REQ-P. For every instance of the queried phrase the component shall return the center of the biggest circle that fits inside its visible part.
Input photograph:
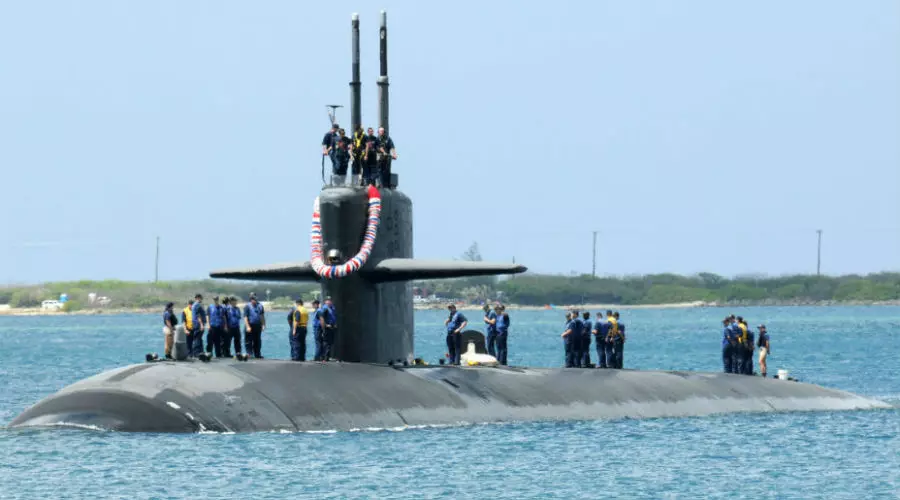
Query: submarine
(361, 253)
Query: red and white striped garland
(358, 260)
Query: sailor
(216, 317)
(568, 337)
(357, 149)
(187, 316)
(618, 342)
(764, 348)
(455, 325)
(328, 325)
(490, 329)
(370, 158)
(586, 340)
(200, 324)
(169, 323)
(317, 330)
(728, 345)
(749, 346)
(578, 329)
(386, 153)
(328, 143)
(228, 327)
(255, 323)
(298, 332)
(743, 352)
(341, 155)
(502, 333)
(735, 347)
(601, 330)
(612, 332)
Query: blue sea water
(789, 455)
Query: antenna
(333, 113)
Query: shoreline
(36, 311)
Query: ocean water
(789, 455)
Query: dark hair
(198, 296)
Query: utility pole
(594, 260)
(819, 254)
(156, 273)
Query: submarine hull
(272, 395)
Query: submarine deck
(274, 395)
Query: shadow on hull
(270, 395)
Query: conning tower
(374, 304)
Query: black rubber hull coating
(271, 395)
(375, 320)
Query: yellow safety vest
(358, 144)
(613, 327)
(301, 316)
(188, 318)
(743, 338)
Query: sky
(693, 136)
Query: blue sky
(695, 136)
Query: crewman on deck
(611, 334)
(586, 333)
(200, 324)
(386, 153)
(764, 348)
(578, 329)
(456, 323)
(743, 352)
(254, 323)
(317, 330)
(502, 333)
(601, 331)
(490, 329)
(216, 336)
(169, 323)
(328, 143)
(749, 347)
(618, 342)
(327, 325)
(728, 342)
(298, 332)
(735, 348)
(568, 337)
(232, 327)
(187, 320)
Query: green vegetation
(527, 289)
(142, 295)
(533, 289)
